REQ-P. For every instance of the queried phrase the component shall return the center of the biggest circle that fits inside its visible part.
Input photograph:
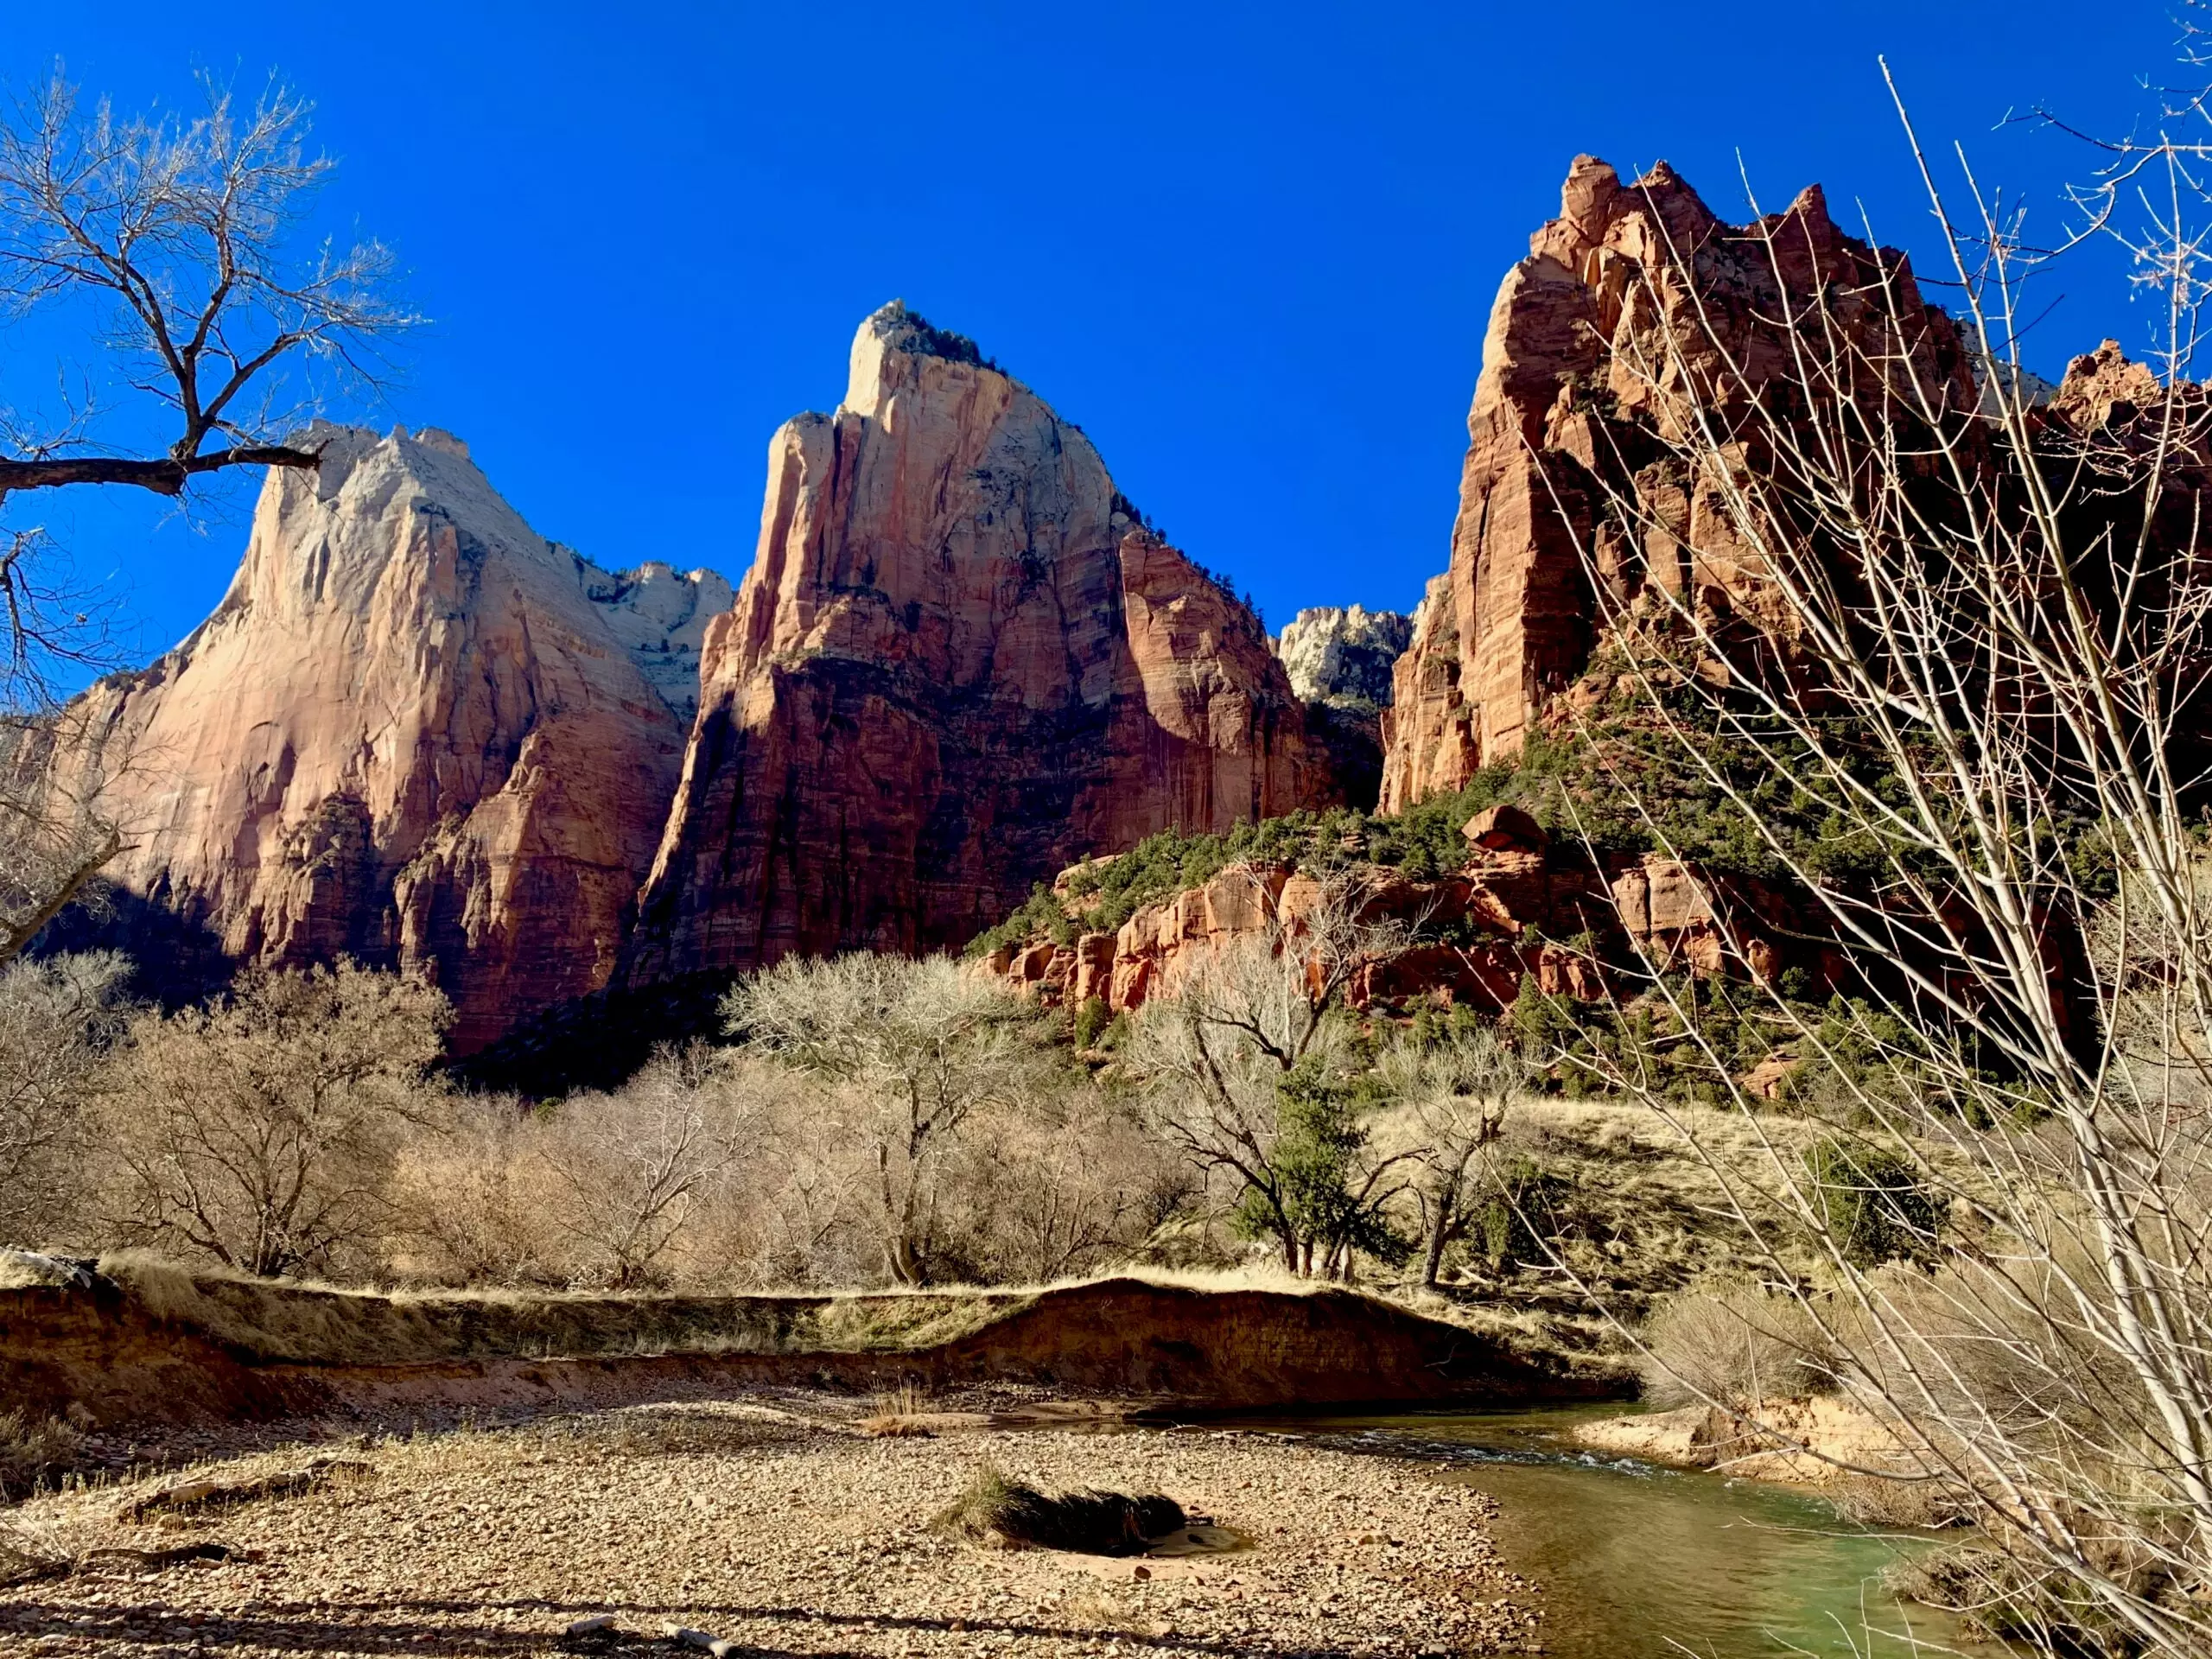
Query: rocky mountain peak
(1572, 408)
(1344, 654)
(959, 663)
(412, 733)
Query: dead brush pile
(995, 1510)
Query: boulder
(1497, 828)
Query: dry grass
(900, 1413)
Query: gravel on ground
(768, 1529)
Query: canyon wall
(418, 734)
(960, 660)
(1597, 343)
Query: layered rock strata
(415, 732)
(1499, 919)
(959, 661)
(1597, 347)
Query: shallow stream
(1636, 1559)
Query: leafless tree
(180, 230)
(56, 1017)
(635, 1166)
(1215, 1053)
(260, 1131)
(1985, 661)
(1063, 1179)
(923, 1045)
(175, 236)
(1453, 1095)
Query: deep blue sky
(1249, 249)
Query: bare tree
(1983, 660)
(180, 230)
(923, 1044)
(260, 1131)
(1063, 1179)
(56, 1017)
(176, 235)
(1217, 1052)
(1454, 1094)
(635, 1166)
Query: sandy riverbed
(785, 1530)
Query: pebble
(759, 1524)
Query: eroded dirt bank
(782, 1530)
(138, 1346)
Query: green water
(1634, 1560)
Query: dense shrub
(1872, 1202)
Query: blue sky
(1249, 249)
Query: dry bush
(471, 1203)
(34, 1452)
(1732, 1346)
(1061, 1184)
(636, 1187)
(915, 1050)
(260, 1132)
(56, 1017)
(635, 1169)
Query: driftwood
(17, 1566)
(209, 1492)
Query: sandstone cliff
(1564, 411)
(1498, 920)
(959, 661)
(414, 732)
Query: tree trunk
(1439, 1233)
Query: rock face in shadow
(415, 732)
(960, 661)
(1578, 382)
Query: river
(1636, 1559)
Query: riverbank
(783, 1529)
(130, 1343)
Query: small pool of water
(1636, 1559)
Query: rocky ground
(776, 1529)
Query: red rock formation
(1573, 384)
(407, 734)
(1507, 910)
(959, 662)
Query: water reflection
(1636, 1559)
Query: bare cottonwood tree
(1453, 1095)
(173, 238)
(1985, 666)
(1217, 1052)
(260, 1131)
(633, 1166)
(924, 1045)
(180, 231)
